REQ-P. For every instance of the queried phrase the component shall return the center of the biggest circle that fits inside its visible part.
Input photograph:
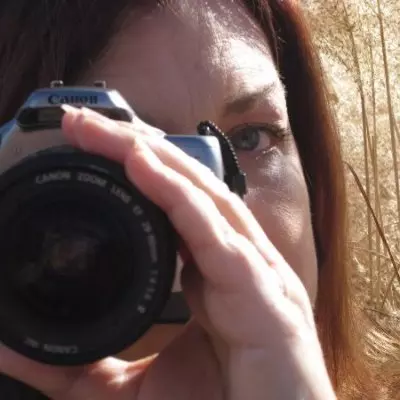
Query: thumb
(104, 379)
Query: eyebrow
(243, 102)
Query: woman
(263, 272)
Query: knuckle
(138, 127)
(203, 168)
(186, 197)
(208, 175)
(239, 246)
(228, 196)
(223, 193)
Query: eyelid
(275, 129)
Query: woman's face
(209, 60)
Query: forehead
(192, 55)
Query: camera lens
(86, 261)
(65, 262)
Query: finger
(95, 131)
(136, 125)
(237, 233)
(90, 138)
(187, 205)
(212, 241)
(114, 140)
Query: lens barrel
(86, 261)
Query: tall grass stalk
(391, 115)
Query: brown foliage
(358, 42)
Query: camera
(87, 261)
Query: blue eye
(255, 137)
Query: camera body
(36, 126)
(87, 262)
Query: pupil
(248, 139)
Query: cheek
(279, 200)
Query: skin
(251, 294)
(206, 65)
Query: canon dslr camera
(87, 262)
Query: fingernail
(94, 114)
(138, 143)
(158, 133)
(140, 146)
(74, 111)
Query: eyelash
(277, 132)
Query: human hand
(252, 322)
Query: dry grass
(360, 48)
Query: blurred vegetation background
(359, 44)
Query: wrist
(292, 372)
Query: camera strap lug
(235, 177)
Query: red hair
(61, 40)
